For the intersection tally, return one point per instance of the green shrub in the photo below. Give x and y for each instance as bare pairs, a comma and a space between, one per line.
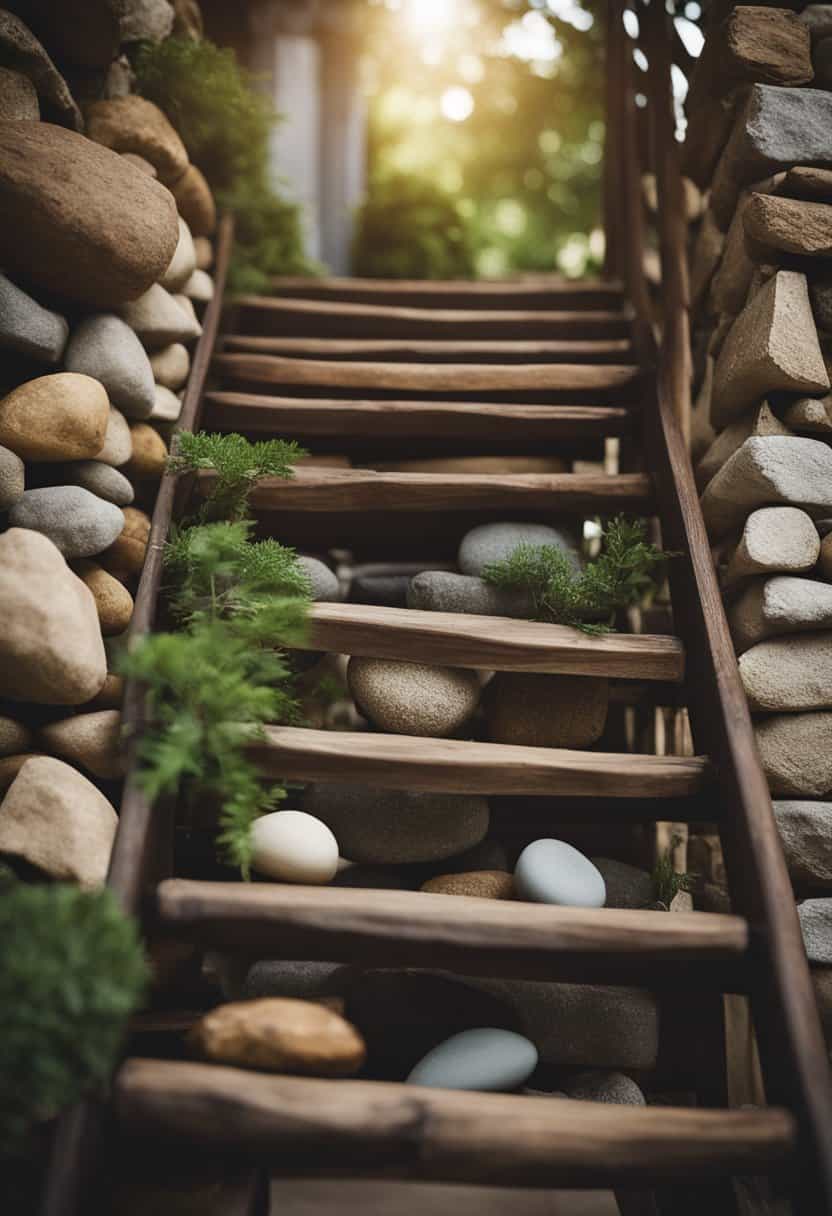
71, 971
410, 229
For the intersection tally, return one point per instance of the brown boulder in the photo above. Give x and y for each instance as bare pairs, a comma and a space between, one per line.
55, 418
484, 884
113, 601
21, 51
195, 202
134, 124
280, 1034
149, 453
789, 225
125, 556
545, 710
97, 228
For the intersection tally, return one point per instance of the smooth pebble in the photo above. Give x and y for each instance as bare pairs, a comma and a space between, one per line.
554, 872
294, 847
481, 1059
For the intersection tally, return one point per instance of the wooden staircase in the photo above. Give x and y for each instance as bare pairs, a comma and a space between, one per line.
398, 369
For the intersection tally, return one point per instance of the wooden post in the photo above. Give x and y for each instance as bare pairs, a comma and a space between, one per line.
343, 137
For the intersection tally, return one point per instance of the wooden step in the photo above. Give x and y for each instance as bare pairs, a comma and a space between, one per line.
540, 291
424, 350
600, 383
460, 766
309, 417
490, 643
460, 933
442, 1135
282, 315
333, 489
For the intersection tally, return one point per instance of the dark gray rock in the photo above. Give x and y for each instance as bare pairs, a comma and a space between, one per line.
324, 582
28, 328
79, 523
627, 886
822, 62
106, 348
305, 981
495, 542
612, 1087
146, 19
386, 590
389, 827
444, 591
376, 878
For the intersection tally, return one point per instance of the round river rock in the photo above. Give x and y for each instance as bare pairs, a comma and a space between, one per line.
554, 872
413, 698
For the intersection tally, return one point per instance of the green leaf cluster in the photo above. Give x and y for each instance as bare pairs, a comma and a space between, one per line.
410, 229
237, 464
71, 971
667, 881
623, 573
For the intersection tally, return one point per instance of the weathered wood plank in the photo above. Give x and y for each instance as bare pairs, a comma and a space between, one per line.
491, 643
458, 766
430, 350
541, 291
442, 1134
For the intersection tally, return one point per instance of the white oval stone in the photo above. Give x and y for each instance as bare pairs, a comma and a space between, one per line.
294, 847
553, 872
484, 1058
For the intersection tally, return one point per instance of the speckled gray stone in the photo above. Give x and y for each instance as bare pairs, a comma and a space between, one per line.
388, 827
77, 522
796, 753
444, 591
106, 348
806, 833
413, 698
386, 590
494, 542
100, 479
816, 925
482, 1059
12, 478
554, 872
627, 886
324, 582
28, 328
781, 604
789, 673
612, 1087
302, 980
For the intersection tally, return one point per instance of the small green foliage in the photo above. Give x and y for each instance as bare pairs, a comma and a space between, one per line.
623, 573
238, 465
268, 238
410, 229
667, 881
71, 972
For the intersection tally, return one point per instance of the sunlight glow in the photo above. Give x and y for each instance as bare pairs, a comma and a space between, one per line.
692, 37
456, 103
428, 16
532, 39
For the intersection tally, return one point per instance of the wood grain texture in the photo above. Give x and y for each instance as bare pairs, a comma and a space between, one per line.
280, 315
432, 350
410, 1131
458, 766
490, 643
363, 419
332, 489
539, 291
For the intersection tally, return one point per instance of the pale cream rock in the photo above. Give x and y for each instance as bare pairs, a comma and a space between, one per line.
775, 539
772, 345
53, 818
782, 604
758, 421
789, 674
806, 834
171, 365
294, 847
204, 252
789, 225
729, 286
183, 263
166, 405
159, 319
768, 470
117, 442
796, 753
199, 287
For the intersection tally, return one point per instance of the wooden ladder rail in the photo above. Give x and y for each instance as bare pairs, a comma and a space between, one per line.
793, 1053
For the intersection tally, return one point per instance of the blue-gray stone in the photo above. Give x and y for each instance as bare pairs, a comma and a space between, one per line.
554, 872
627, 886
28, 328
483, 1059
106, 348
495, 542
79, 523
102, 480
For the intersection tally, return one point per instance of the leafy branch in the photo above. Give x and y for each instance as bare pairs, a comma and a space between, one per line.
667, 880
237, 464
623, 573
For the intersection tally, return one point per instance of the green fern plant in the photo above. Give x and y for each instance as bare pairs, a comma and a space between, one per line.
72, 969
237, 465
623, 573
667, 880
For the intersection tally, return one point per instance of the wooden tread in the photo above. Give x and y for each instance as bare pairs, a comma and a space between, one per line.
542, 291
423, 350
340, 319
333, 489
490, 643
460, 933
456, 766
442, 1135
477, 379
360, 419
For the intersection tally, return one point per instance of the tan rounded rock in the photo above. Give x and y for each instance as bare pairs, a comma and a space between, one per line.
195, 202
413, 698
545, 710
54, 418
171, 365
140, 163
483, 884
113, 601
796, 753
96, 228
91, 741
789, 673
51, 648
110, 695
279, 1034
149, 455
125, 557
118, 444
134, 124
14, 736
53, 818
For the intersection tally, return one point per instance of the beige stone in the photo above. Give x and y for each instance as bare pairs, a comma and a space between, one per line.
113, 601
134, 124
796, 753
125, 557
91, 741
59, 417
53, 818
769, 469
183, 263
772, 345
149, 452
775, 539
482, 884
166, 406
199, 287
110, 695
14, 736
117, 444
279, 1034
159, 319
171, 365
782, 604
806, 833
812, 414
702, 434
413, 698
50, 644
139, 161
204, 252
731, 281
545, 710
758, 421
789, 674
195, 202
789, 225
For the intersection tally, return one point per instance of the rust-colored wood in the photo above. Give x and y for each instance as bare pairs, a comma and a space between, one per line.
457, 766
446, 350
442, 1134
337, 319
534, 291
490, 643
328, 489
360, 419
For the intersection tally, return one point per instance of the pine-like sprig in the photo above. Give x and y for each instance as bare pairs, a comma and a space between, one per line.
237, 464
667, 880
587, 599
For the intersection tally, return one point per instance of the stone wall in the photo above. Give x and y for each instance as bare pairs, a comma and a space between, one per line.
105, 249
760, 144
